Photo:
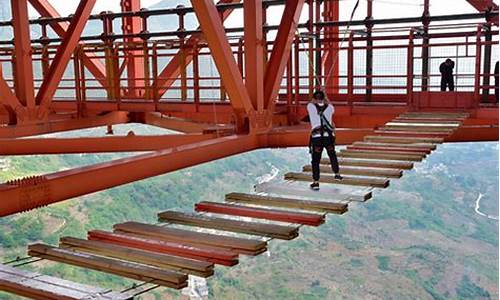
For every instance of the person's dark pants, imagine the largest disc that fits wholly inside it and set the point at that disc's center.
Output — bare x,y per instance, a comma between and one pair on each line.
496,89
447,82
318,144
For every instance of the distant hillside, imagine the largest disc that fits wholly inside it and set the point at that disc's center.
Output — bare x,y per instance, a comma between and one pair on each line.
419,239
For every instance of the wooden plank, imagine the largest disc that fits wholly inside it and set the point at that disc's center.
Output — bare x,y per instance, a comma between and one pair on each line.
260,213
163,261
371,172
323,206
419,129
235,244
430,120
436,115
215,255
371,163
440,134
37,286
456,122
253,228
357,154
372,182
449,126
417,146
402,140
374,151
390,149
332,193
113,266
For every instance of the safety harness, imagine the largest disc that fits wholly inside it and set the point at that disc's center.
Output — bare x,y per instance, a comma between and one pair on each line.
325,125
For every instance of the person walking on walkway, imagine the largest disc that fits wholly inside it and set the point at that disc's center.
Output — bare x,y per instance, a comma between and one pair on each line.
322,135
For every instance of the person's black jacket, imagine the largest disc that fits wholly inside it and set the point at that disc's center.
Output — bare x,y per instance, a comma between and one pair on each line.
447,70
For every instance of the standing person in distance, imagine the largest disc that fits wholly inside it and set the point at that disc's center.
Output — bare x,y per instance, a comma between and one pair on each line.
322,135
446,70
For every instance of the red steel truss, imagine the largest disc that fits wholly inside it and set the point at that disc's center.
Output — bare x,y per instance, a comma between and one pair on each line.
227,90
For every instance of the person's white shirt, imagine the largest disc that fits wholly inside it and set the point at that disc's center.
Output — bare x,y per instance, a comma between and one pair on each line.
315,118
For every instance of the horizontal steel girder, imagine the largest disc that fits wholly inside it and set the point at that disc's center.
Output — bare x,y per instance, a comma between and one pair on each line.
117,117
33,192
32,146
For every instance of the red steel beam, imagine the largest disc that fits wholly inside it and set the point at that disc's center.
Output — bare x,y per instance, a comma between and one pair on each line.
93,64
134,58
170,73
331,13
204,253
6,96
485,5
281,51
214,33
254,53
117,117
261,213
64,51
33,146
23,65
177,124
35,192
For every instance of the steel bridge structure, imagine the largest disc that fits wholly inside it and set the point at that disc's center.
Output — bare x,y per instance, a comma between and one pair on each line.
222,90
261,76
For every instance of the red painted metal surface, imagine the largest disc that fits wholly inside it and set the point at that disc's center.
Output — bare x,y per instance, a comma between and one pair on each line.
63,54
486,5
281,51
211,254
254,53
31,146
93,64
169,74
135,59
221,51
23,64
261,213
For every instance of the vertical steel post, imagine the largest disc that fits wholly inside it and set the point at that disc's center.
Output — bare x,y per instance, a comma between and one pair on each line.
196,77
78,89
182,52
107,23
254,53
409,69
154,69
310,47
487,62
135,61
289,84
45,60
264,34
425,46
477,75
318,47
350,69
331,67
296,68
23,64
369,50
239,57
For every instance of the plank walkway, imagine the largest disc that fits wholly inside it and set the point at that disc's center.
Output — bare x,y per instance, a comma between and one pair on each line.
217,233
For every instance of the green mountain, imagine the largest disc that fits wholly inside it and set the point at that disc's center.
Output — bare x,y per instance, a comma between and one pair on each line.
420,238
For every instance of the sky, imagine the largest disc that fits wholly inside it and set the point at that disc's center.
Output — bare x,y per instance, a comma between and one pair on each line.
382,8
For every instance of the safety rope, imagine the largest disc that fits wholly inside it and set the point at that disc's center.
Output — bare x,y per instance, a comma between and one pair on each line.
344,37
